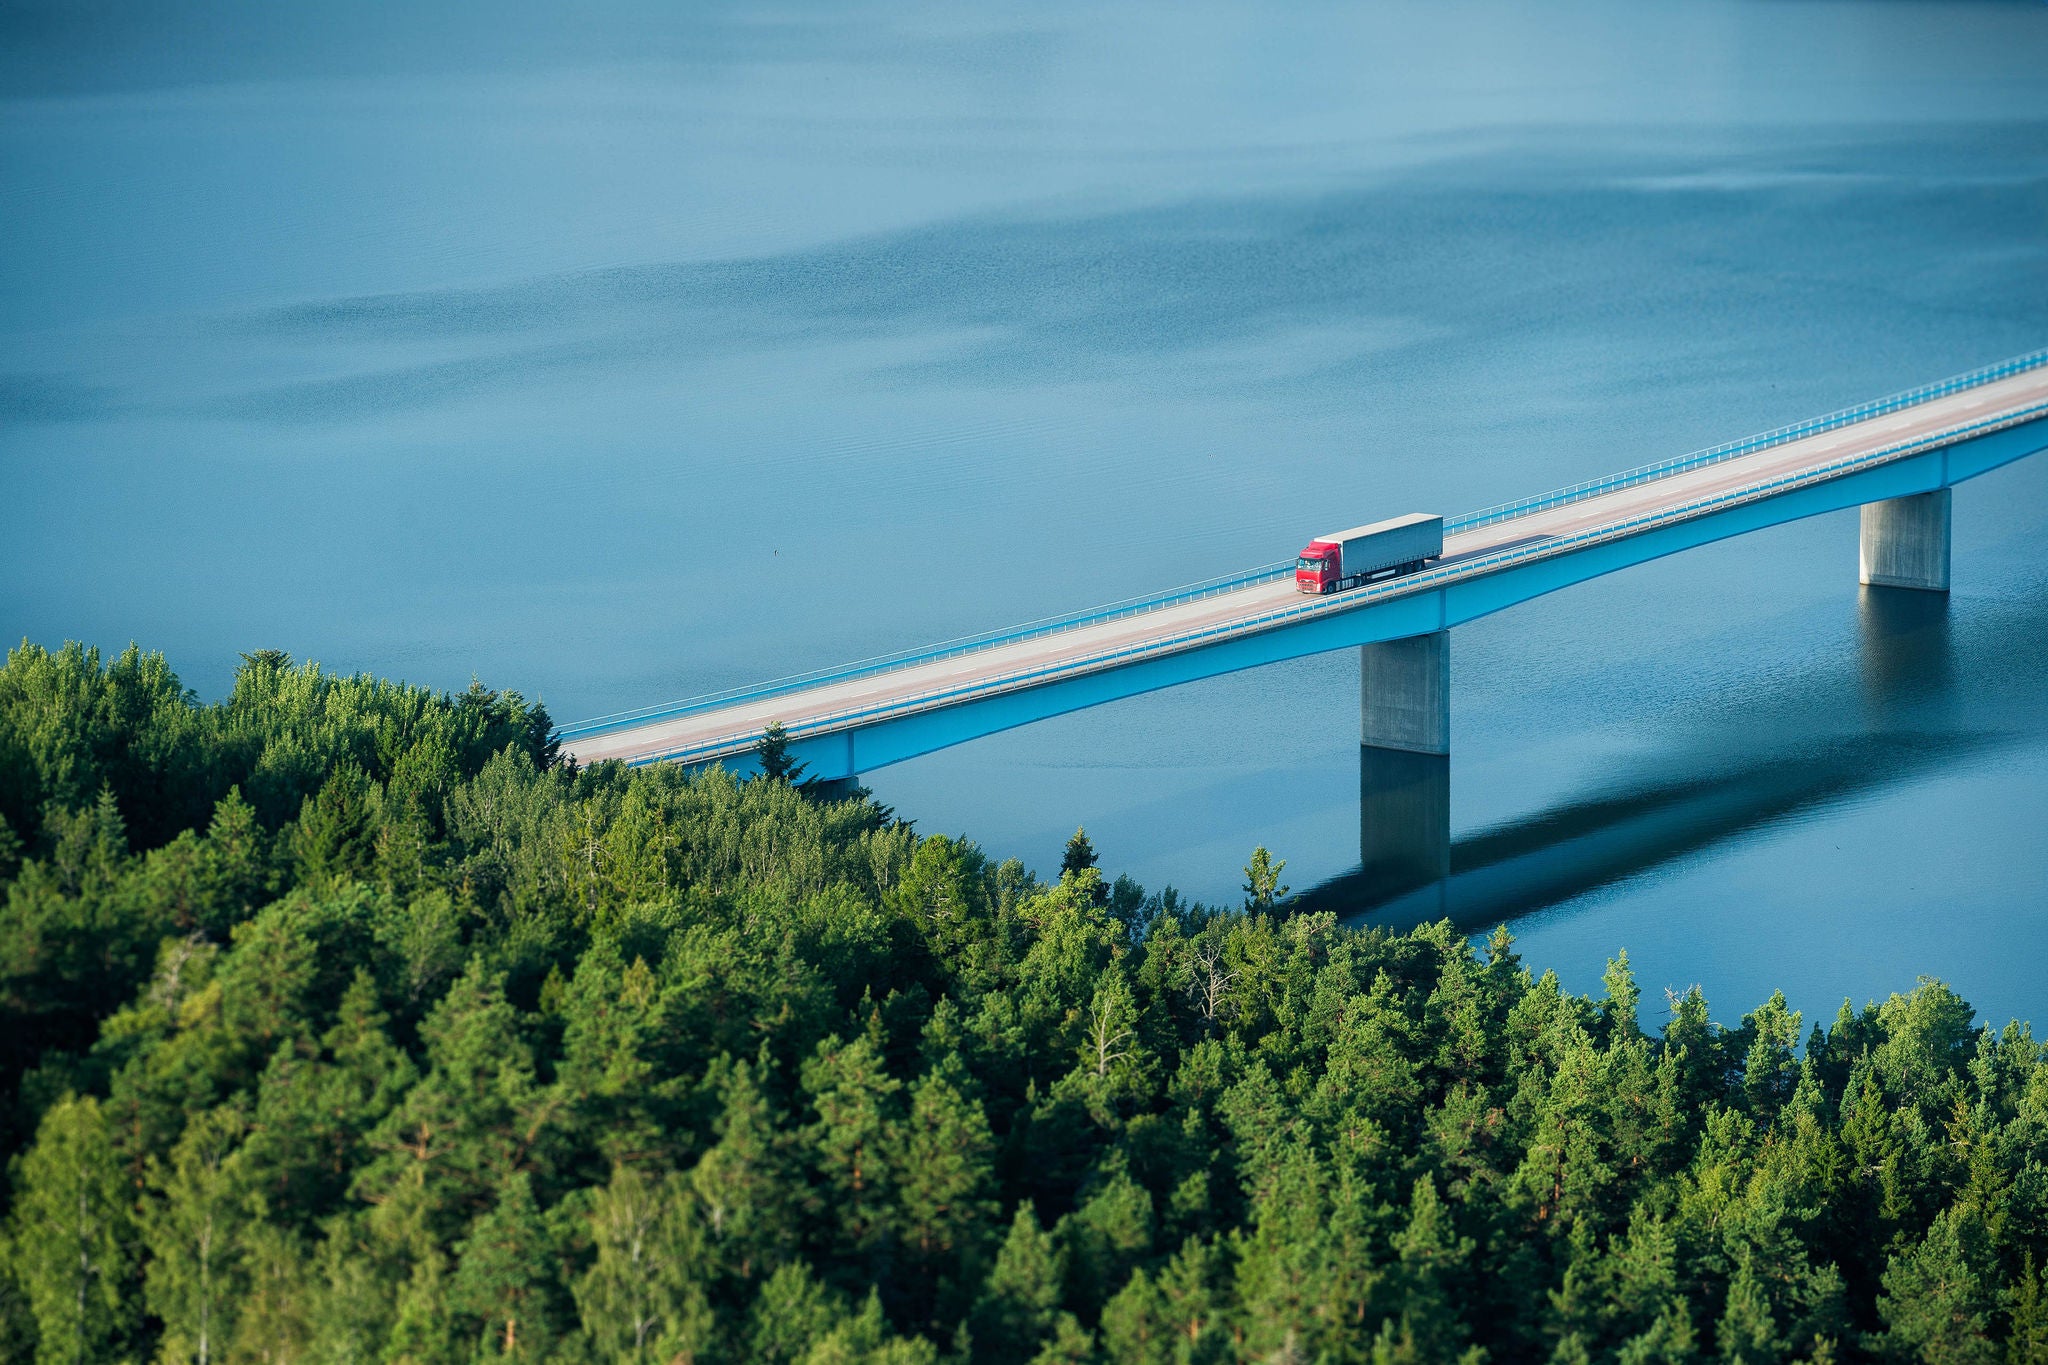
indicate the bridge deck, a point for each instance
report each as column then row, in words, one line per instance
column 707, row 733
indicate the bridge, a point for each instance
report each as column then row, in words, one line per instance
column 1896, row 458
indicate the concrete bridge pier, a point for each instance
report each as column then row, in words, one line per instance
column 1404, row 694
column 1905, row 542
column 1404, row 763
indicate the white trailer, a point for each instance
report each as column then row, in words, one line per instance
column 1345, row 559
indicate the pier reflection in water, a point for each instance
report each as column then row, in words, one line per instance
column 1908, row 703
column 1404, row 822
column 1904, row 650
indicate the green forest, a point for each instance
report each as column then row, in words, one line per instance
column 344, row 1021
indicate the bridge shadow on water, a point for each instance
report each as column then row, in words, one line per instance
column 1919, row 701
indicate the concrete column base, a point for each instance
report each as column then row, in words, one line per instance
column 1405, row 694
column 1905, row 542
column 835, row 788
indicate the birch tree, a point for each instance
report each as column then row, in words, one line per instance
column 72, row 1236
column 190, row 1227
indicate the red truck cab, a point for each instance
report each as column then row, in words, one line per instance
column 1316, row 568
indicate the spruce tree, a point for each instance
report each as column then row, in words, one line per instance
column 2027, row 1314
column 336, row 836
column 772, row 751
column 1079, row 855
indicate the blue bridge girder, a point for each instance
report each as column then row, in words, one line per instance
column 854, row 720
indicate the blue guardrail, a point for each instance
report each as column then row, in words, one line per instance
column 1191, row 592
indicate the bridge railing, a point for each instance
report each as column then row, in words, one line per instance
column 1649, row 473
column 946, row 649
column 1191, row 592
column 740, row 741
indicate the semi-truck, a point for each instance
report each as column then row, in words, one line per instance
column 1385, row 549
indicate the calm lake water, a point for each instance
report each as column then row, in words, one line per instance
column 659, row 349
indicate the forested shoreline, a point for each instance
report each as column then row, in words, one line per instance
column 344, row 1022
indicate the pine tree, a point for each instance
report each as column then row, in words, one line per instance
column 1078, row 869
column 478, row 1113
column 1192, row 1290
column 273, row 1321
column 1747, row 1332
column 505, row 1278
column 266, row 661
column 1107, row 1236
column 1262, row 888
column 1619, row 1007
column 945, row 1155
column 237, row 868
column 10, row 850
column 423, row 1330
column 1571, row 1350
column 942, row 894
column 747, row 1185
column 856, row 1100
column 1432, row 1268
column 1135, row 1325
column 792, row 1313
column 1020, row 1301
column 1934, row 1302
column 1668, row 1340
column 1771, row 1070
column 313, row 1113
column 1070, row 1344
column 355, row 1296
column 863, row 1338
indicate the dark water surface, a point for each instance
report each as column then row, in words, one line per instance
column 634, row 356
